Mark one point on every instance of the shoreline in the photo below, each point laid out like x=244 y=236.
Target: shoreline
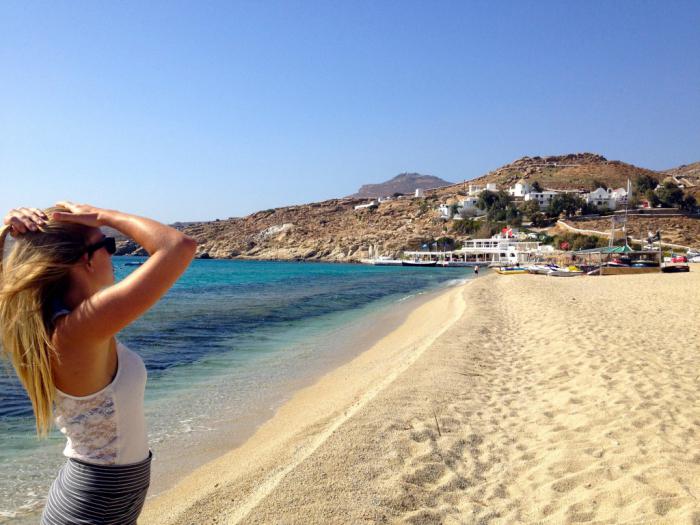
x=171 y=465
x=518 y=400
x=302 y=423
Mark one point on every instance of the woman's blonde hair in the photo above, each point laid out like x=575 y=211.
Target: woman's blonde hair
x=33 y=276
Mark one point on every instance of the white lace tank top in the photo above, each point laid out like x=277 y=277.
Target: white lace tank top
x=109 y=426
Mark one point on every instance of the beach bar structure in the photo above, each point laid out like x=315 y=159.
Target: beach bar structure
x=607 y=259
x=496 y=251
x=499 y=250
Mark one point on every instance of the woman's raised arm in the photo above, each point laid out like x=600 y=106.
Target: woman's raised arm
x=105 y=313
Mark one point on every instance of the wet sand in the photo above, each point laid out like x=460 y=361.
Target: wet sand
x=513 y=399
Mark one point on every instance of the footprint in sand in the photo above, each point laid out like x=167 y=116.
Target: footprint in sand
x=565 y=485
x=664 y=506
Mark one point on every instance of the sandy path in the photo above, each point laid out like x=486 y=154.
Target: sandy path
x=549 y=401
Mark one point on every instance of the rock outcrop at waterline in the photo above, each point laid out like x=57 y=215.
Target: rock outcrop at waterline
x=331 y=231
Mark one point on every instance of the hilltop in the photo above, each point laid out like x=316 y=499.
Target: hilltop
x=333 y=230
x=565 y=172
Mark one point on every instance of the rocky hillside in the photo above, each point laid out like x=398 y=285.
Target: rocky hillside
x=334 y=231
x=331 y=230
x=684 y=231
x=405 y=183
x=688 y=176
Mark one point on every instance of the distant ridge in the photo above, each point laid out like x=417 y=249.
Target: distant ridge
x=406 y=183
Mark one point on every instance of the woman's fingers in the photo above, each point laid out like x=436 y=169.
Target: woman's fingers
x=66 y=216
x=37 y=216
x=30 y=218
x=18 y=223
x=22 y=220
x=88 y=219
x=81 y=213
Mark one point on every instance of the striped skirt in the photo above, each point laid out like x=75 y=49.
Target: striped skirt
x=86 y=494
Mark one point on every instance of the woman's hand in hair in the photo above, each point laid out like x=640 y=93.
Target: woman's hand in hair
x=79 y=213
x=22 y=220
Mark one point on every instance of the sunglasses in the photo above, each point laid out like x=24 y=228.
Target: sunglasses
x=108 y=243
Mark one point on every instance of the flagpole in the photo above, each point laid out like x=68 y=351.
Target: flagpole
x=626 y=206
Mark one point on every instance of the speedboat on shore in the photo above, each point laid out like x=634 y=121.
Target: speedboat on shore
x=511 y=270
x=571 y=271
x=542 y=269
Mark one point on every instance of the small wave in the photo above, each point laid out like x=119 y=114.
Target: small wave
x=30 y=507
x=455 y=282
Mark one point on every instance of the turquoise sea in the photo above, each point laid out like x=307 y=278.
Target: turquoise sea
x=224 y=348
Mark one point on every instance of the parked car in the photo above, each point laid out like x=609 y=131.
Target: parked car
x=679 y=259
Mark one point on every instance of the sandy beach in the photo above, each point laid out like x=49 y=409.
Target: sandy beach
x=512 y=399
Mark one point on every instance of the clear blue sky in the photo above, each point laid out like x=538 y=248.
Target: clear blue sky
x=198 y=110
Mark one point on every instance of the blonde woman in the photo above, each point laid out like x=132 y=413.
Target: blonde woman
x=59 y=313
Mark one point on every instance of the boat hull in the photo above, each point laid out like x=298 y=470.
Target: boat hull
x=419 y=264
x=564 y=273
x=511 y=271
x=675 y=268
x=628 y=270
x=459 y=264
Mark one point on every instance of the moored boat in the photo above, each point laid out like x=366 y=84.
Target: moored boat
x=458 y=264
x=644 y=263
x=419 y=263
x=382 y=260
x=675 y=267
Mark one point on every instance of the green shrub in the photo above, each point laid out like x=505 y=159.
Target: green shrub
x=565 y=203
x=539 y=220
x=465 y=226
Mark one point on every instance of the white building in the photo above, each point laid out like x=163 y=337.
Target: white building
x=601 y=198
x=466 y=207
x=520 y=189
x=372 y=204
x=543 y=198
x=445 y=212
x=620 y=196
x=476 y=189
x=420 y=192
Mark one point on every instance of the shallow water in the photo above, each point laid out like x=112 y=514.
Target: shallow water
x=223 y=349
